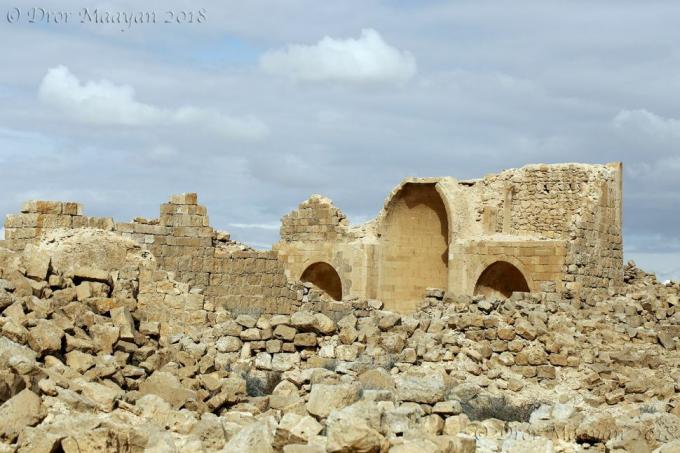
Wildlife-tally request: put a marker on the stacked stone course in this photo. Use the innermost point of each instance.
(558, 225)
(183, 242)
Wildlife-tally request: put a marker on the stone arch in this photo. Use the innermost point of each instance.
(325, 277)
(414, 241)
(501, 278)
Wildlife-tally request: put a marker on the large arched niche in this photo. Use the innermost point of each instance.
(414, 244)
(325, 277)
(501, 279)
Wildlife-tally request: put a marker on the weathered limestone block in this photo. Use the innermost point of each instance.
(45, 337)
(421, 387)
(258, 437)
(22, 410)
(168, 387)
(325, 398)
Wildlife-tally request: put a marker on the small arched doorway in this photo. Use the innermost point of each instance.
(324, 277)
(501, 279)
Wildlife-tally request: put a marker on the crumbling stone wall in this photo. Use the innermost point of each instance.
(559, 225)
(230, 274)
(579, 204)
(315, 220)
(320, 233)
(38, 217)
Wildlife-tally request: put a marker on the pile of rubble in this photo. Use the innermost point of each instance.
(102, 351)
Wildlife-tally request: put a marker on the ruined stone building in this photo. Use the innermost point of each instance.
(549, 228)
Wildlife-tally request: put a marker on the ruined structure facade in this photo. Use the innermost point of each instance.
(548, 228)
(182, 241)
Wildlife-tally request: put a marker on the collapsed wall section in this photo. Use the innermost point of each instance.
(316, 235)
(579, 204)
(229, 274)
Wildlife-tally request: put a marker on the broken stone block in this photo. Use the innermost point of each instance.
(91, 274)
(452, 407)
(36, 262)
(296, 429)
(305, 340)
(377, 379)
(167, 386)
(421, 387)
(79, 361)
(229, 344)
(323, 324)
(325, 398)
(42, 207)
(45, 337)
(15, 331)
(258, 437)
(284, 332)
(303, 320)
(285, 361)
(190, 198)
(105, 336)
(103, 396)
(122, 319)
(345, 435)
(83, 291)
(22, 410)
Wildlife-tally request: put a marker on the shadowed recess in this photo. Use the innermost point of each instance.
(324, 276)
(501, 279)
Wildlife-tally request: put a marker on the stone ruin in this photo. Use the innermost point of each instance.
(492, 315)
(540, 228)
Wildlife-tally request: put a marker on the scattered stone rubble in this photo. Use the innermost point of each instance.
(102, 351)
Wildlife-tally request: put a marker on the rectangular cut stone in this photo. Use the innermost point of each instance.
(42, 207)
(184, 198)
(71, 208)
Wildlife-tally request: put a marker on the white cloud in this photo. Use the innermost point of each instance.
(2, 233)
(366, 59)
(105, 103)
(259, 226)
(651, 124)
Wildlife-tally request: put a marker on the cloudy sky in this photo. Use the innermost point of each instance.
(258, 104)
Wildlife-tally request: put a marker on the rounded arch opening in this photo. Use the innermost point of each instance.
(414, 246)
(501, 279)
(325, 277)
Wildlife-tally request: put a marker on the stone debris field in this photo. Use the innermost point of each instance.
(164, 335)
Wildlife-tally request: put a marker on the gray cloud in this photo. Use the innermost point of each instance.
(499, 87)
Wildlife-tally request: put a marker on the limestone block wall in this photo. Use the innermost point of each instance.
(541, 263)
(413, 252)
(229, 274)
(317, 233)
(537, 228)
(37, 217)
(557, 226)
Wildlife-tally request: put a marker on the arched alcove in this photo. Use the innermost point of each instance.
(501, 279)
(324, 277)
(413, 246)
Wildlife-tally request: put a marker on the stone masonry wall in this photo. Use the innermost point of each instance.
(573, 202)
(230, 274)
(316, 219)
